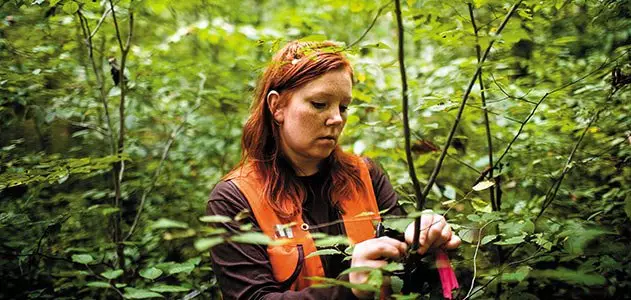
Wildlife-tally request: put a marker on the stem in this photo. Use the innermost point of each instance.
(119, 167)
(99, 79)
(439, 163)
(551, 194)
(372, 24)
(406, 123)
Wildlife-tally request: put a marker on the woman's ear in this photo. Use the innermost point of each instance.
(277, 110)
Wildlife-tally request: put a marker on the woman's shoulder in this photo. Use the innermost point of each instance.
(226, 199)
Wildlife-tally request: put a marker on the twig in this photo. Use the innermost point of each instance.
(372, 24)
(119, 167)
(406, 124)
(550, 196)
(99, 80)
(437, 167)
(485, 109)
(475, 255)
(98, 25)
(165, 152)
(534, 109)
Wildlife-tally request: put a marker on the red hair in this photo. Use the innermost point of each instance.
(292, 67)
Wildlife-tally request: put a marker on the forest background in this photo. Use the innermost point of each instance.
(104, 177)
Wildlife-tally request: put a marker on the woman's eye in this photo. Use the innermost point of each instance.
(318, 105)
(343, 108)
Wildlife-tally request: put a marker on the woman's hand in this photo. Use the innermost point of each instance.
(435, 234)
(373, 253)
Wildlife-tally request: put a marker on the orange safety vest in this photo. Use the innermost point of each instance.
(289, 265)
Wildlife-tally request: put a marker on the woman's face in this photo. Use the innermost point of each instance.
(313, 118)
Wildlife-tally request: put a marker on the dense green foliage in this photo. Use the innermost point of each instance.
(78, 194)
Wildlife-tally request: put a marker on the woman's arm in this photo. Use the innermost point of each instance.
(243, 270)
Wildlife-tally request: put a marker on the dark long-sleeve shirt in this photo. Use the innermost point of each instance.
(244, 270)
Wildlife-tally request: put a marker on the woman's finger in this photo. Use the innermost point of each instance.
(426, 223)
(453, 243)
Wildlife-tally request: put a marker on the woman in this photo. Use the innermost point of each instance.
(296, 181)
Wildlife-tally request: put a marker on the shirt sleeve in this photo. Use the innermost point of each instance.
(387, 199)
(244, 271)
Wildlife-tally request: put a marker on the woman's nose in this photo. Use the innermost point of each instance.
(335, 118)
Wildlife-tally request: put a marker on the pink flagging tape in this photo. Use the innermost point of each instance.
(446, 272)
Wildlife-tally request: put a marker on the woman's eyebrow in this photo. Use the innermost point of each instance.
(327, 94)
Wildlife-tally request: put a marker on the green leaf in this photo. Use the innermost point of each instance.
(169, 288)
(164, 223)
(256, 238)
(207, 243)
(113, 274)
(324, 252)
(99, 284)
(539, 240)
(181, 268)
(488, 238)
(572, 276)
(331, 241)
(396, 284)
(132, 293)
(151, 273)
(215, 219)
(483, 185)
(518, 275)
(467, 235)
(82, 258)
(71, 7)
(393, 266)
(511, 241)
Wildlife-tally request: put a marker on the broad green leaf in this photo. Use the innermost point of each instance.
(518, 275)
(207, 243)
(98, 284)
(393, 266)
(483, 185)
(256, 238)
(511, 241)
(169, 289)
(71, 7)
(331, 241)
(164, 223)
(82, 258)
(488, 238)
(328, 282)
(181, 268)
(151, 273)
(324, 252)
(113, 274)
(467, 235)
(541, 241)
(572, 276)
(132, 293)
(215, 219)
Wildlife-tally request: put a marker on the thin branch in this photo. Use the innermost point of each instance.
(534, 109)
(551, 195)
(98, 25)
(486, 112)
(372, 24)
(437, 167)
(165, 152)
(119, 167)
(475, 256)
(522, 98)
(99, 79)
(406, 123)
